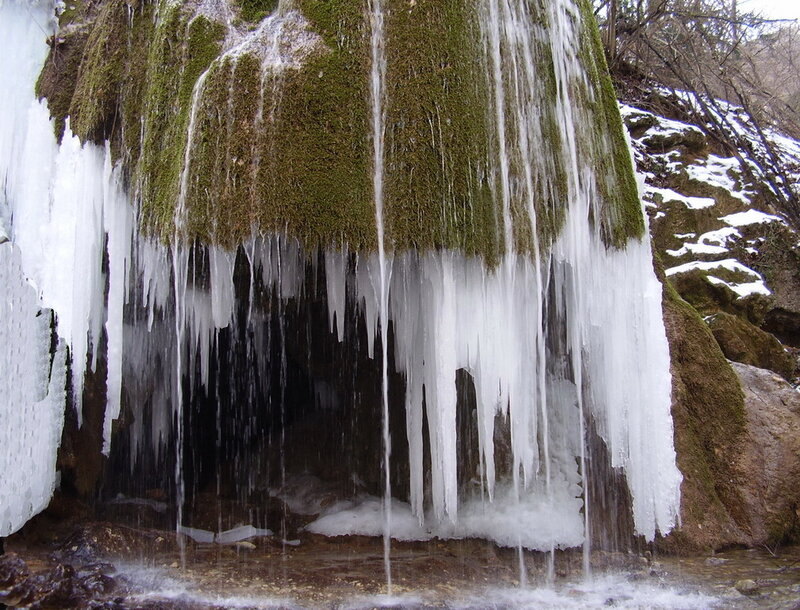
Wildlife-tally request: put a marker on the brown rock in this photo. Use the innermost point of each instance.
(769, 463)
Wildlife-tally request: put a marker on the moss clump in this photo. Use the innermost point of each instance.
(59, 76)
(256, 10)
(166, 109)
(622, 216)
(286, 148)
(127, 144)
(708, 415)
(743, 342)
(438, 193)
(96, 98)
(709, 298)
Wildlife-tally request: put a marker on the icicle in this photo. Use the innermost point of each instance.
(335, 280)
(118, 220)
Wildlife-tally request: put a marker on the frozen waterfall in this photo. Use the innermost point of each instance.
(554, 344)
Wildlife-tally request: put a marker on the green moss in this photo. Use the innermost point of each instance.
(319, 181)
(94, 105)
(256, 10)
(166, 109)
(622, 211)
(287, 150)
(438, 193)
(140, 34)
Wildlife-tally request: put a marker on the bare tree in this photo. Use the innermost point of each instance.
(715, 53)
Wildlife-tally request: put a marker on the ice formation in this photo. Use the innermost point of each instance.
(32, 382)
(555, 343)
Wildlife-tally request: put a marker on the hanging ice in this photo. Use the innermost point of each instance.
(32, 384)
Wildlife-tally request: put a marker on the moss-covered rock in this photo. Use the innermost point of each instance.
(95, 102)
(438, 130)
(281, 138)
(622, 217)
(59, 76)
(743, 342)
(709, 298)
(708, 416)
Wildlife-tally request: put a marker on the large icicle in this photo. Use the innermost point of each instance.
(32, 384)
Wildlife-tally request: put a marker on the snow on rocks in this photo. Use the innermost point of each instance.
(706, 216)
(756, 285)
(693, 203)
(749, 217)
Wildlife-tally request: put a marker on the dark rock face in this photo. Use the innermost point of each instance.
(61, 586)
(769, 463)
(742, 342)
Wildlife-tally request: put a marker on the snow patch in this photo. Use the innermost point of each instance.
(749, 217)
(668, 195)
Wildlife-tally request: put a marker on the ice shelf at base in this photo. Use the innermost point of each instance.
(538, 520)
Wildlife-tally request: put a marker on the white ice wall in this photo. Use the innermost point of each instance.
(65, 208)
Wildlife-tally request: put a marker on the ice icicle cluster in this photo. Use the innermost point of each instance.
(66, 210)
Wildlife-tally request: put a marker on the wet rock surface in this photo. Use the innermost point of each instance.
(321, 572)
(59, 585)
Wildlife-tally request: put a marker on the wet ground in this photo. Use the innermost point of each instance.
(150, 571)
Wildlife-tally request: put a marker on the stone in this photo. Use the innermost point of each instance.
(708, 416)
(746, 586)
(12, 570)
(61, 586)
(769, 462)
(743, 342)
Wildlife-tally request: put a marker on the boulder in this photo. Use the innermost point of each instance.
(708, 416)
(743, 342)
(769, 463)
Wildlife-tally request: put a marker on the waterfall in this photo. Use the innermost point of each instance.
(377, 91)
(558, 340)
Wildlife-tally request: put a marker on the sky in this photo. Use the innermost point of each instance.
(775, 9)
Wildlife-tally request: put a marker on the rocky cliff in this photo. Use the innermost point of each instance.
(731, 264)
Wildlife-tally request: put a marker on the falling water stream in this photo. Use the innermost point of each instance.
(377, 94)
